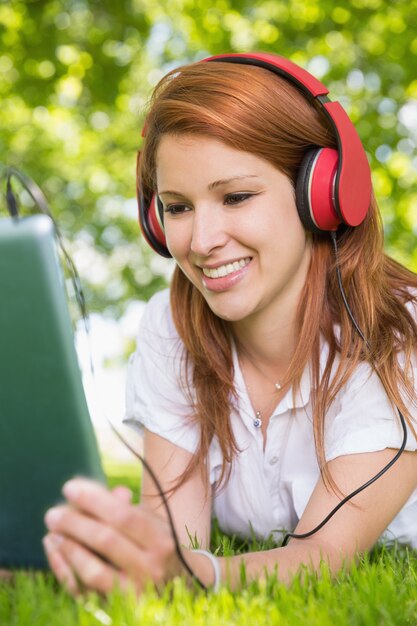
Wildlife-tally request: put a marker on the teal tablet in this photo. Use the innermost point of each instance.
(46, 435)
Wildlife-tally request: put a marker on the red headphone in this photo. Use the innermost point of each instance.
(333, 186)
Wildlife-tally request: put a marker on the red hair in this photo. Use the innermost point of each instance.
(251, 109)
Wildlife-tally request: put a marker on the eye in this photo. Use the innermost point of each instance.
(176, 209)
(236, 198)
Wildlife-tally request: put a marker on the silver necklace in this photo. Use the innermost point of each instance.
(257, 422)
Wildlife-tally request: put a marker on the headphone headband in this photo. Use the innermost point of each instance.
(281, 66)
(333, 187)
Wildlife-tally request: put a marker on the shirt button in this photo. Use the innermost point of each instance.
(273, 460)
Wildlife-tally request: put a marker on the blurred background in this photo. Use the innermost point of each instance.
(75, 77)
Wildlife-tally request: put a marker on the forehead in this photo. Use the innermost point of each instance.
(210, 159)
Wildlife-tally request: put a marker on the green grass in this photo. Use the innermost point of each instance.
(128, 474)
(381, 590)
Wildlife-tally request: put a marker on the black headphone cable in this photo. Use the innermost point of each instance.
(39, 198)
(288, 536)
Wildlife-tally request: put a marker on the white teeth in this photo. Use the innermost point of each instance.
(224, 270)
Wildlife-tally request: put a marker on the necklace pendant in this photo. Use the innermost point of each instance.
(257, 422)
(277, 386)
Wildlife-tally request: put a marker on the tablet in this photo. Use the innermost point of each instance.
(46, 435)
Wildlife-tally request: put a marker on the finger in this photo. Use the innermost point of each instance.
(140, 524)
(58, 565)
(123, 493)
(91, 571)
(103, 539)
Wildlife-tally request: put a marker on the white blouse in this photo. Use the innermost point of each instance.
(268, 490)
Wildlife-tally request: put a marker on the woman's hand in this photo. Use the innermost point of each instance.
(99, 540)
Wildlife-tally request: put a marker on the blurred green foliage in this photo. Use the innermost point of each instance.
(75, 76)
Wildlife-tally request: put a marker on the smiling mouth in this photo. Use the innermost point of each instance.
(225, 270)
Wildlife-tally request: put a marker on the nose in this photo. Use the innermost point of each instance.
(209, 231)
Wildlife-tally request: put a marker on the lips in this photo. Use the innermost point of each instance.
(224, 270)
(231, 278)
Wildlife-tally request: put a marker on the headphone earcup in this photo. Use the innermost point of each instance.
(152, 224)
(315, 189)
(301, 191)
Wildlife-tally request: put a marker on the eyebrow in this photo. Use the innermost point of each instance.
(224, 181)
(216, 183)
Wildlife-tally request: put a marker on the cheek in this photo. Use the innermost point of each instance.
(277, 228)
(284, 240)
(288, 226)
(178, 244)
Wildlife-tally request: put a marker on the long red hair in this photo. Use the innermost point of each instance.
(251, 109)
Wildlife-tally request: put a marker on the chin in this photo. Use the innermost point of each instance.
(229, 314)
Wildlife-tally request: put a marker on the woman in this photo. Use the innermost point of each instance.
(265, 398)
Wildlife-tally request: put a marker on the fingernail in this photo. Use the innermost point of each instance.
(71, 489)
(52, 541)
(52, 518)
